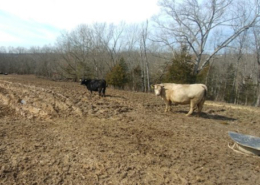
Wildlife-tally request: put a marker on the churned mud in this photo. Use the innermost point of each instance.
(57, 133)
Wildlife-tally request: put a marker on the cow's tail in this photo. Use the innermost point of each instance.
(205, 91)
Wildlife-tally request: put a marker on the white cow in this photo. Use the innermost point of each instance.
(193, 94)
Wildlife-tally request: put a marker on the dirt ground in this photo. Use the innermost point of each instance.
(56, 133)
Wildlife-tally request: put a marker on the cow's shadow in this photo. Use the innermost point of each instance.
(120, 97)
(95, 94)
(210, 116)
(217, 117)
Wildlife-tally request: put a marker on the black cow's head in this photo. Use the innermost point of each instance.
(85, 81)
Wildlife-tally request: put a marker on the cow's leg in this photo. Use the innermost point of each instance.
(192, 107)
(200, 106)
(103, 91)
(99, 91)
(168, 106)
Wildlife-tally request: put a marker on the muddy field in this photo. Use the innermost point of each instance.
(56, 133)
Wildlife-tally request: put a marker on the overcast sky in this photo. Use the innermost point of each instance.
(28, 23)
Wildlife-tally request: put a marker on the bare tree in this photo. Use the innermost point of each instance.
(98, 53)
(74, 47)
(144, 57)
(239, 46)
(131, 55)
(256, 32)
(45, 61)
(192, 22)
(113, 43)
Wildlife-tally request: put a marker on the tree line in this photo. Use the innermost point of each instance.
(215, 42)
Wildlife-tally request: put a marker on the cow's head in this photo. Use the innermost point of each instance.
(85, 81)
(82, 81)
(158, 89)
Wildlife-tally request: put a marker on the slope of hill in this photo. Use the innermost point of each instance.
(56, 133)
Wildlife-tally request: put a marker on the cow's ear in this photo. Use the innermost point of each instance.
(152, 86)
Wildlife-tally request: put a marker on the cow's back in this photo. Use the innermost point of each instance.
(183, 93)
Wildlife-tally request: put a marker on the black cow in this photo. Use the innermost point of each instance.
(95, 85)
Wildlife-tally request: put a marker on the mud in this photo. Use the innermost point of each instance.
(57, 133)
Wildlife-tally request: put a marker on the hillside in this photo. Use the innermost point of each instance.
(56, 133)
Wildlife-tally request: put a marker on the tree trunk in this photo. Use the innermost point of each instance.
(257, 104)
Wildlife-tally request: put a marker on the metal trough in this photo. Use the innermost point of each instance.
(245, 143)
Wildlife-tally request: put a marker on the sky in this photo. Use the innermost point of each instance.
(27, 23)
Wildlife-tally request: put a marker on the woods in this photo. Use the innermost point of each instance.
(215, 42)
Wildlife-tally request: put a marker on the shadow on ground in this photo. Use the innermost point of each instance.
(210, 116)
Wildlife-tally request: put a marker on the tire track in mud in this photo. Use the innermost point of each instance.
(35, 102)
